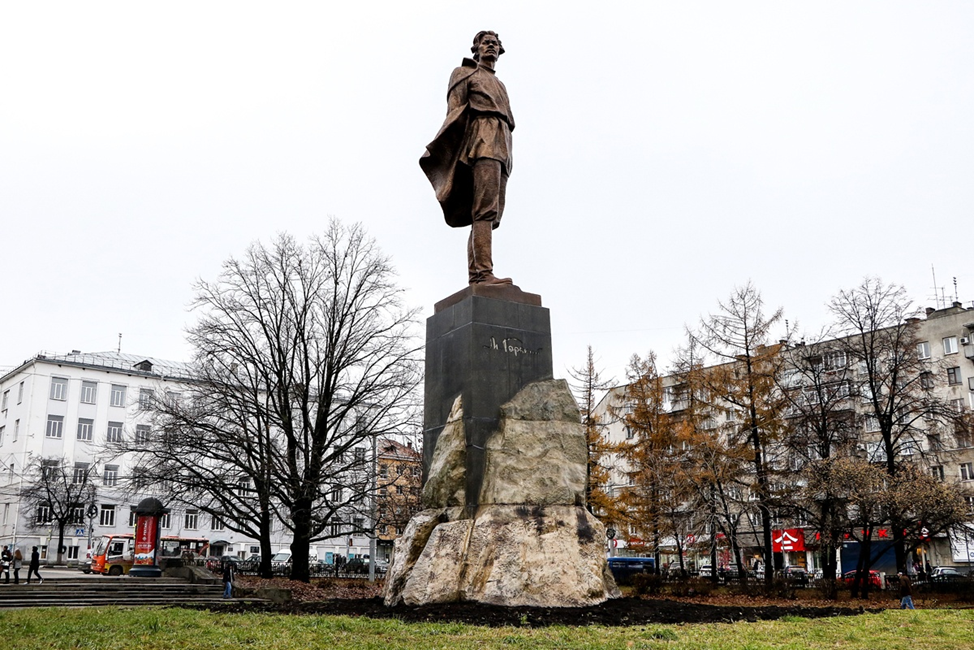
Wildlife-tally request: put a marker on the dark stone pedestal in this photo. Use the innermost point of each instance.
(486, 344)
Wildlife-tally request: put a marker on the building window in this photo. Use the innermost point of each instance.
(59, 388)
(336, 495)
(114, 432)
(165, 521)
(398, 489)
(934, 442)
(89, 390)
(173, 398)
(73, 552)
(16, 429)
(926, 380)
(834, 360)
(357, 524)
(142, 434)
(55, 426)
(20, 393)
(145, 399)
(629, 433)
(359, 453)
(133, 518)
(243, 488)
(967, 471)
(110, 477)
(77, 515)
(963, 439)
(871, 423)
(107, 516)
(2, 429)
(191, 520)
(383, 471)
(335, 528)
(216, 523)
(86, 429)
(80, 473)
(118, 395)
(3, 402)
(950, 345)
(953, 376)
(43, 515)
(923, 349)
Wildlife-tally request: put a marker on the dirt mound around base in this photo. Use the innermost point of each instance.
(618, 612)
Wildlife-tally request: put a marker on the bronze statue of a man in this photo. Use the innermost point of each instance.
(469, 160)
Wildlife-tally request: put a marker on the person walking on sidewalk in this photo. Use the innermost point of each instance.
(906, 592)
(34, 566)
(18, 565)
(227, 578)
(6, 559)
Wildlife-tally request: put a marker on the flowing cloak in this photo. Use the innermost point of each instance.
(442, 163)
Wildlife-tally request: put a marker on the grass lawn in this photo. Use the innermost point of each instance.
(148, 628)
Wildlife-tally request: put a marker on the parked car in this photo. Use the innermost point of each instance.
(947, 574)
(796, 575)
(250, 565)
(875, 580)
(706, 571)
(281, 563)
(216, 563)
(624, 568)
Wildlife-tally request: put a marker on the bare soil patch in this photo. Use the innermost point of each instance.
(360, 598)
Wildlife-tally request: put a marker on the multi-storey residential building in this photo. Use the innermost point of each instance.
(76, 408)
(942, 446)
(399, 482)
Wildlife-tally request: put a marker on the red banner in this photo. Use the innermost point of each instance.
(790, 539)
(145, 540)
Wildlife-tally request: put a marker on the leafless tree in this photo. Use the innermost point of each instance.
(305, 356)
(57, 494)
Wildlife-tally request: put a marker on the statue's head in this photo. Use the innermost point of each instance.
(490, 40)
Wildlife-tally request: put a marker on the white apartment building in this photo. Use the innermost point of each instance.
(71, 407)
(946, 342)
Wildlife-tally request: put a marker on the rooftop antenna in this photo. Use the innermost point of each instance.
(956, 298)
(120, 343)
(936, 290)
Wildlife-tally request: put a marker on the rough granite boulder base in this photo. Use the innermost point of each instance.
(539, 455)
(507, 555)
(529, 542)
(446, 482)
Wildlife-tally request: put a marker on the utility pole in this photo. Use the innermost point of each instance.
(375, 473)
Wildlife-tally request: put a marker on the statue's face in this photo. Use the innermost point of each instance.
(489, 47)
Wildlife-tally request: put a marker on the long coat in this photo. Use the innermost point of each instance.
(452, 180)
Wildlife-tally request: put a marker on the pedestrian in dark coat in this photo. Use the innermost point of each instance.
(6, 559)
(227, 578)
(34, 566)
(906, 592)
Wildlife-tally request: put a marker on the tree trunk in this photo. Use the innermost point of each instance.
(266, 570)
(301, 544)
(60, 542)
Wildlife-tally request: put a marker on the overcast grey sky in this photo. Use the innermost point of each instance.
(665, 152)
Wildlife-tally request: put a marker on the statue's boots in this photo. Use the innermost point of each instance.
(480, 263)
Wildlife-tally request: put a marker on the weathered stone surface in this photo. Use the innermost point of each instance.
(537, 556)
(407, 549)
(539, 455)
(437, 576)
(507, 555)
(446, 482)
(542, 401)
(528, 542)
